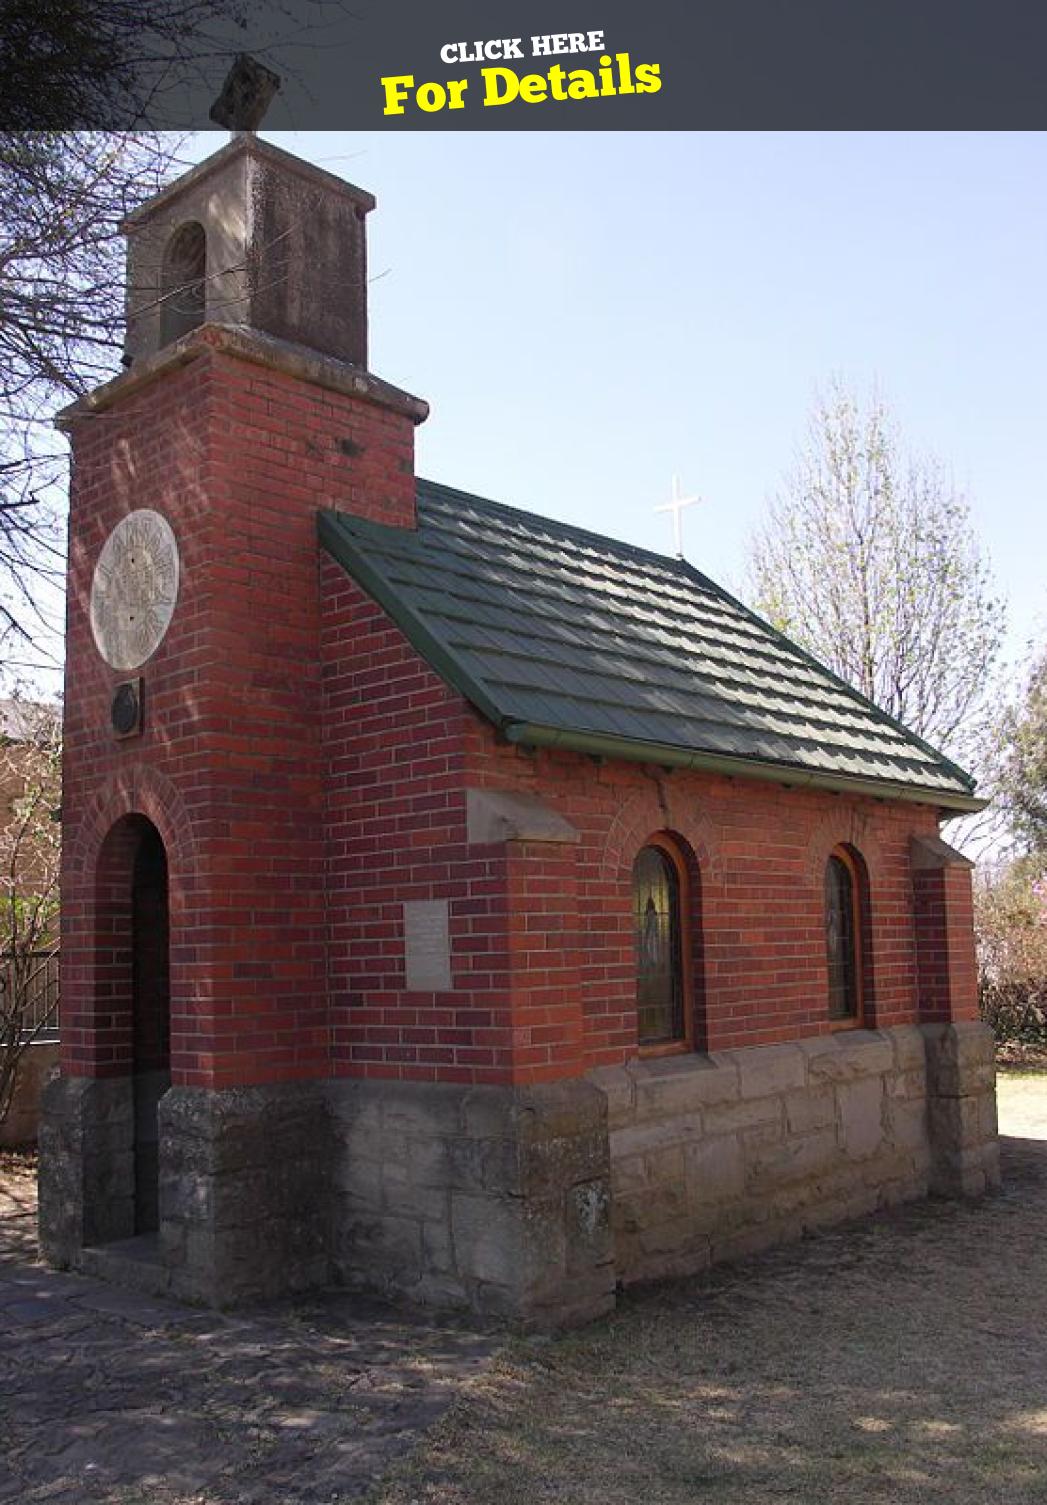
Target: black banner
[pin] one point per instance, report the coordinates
(574, 65)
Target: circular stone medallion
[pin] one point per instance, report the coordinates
(134, 589)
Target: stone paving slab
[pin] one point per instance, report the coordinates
(112, 1398)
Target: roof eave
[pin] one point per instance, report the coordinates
(604, 745)
(337, 540)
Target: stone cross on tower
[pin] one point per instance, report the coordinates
(676, 505)
(246, 95)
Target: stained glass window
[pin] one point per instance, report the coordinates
(842, 940)
(659, 949)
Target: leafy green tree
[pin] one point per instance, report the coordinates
(867, 558)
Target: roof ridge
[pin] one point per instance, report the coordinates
(670, 561)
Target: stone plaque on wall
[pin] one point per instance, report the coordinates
(427, 946)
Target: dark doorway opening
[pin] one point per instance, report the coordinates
(151, 1018)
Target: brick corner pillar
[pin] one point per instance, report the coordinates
(236, 441)
(493, 1192)
(961, 1074)
(554, 1201)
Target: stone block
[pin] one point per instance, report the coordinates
(389, 1244)
(543, 1167)
(796, 1158)
(760, 1135)
(987, 1117)
(420, 1110)
(628, 1173)
(766, 1070)
(666, 1165)
(618, 1085)
(437, 1248)
(715, 1170)
(848, 1054)
(669, 1264)
(358, 1179)
(86, 1165)
(910, 1086)
(654, 1138)
(730, 1118)
(954, 1122)
(506, 1192)
(811, 1108)
(907, 1124)
(861, 1110)
(683, 1085)
(566, 1110)
(651, 1205)
(428, 1203)
(488, 1237)
(745, 1242)
(588, 1227)
(677, 1237)
(909, 1049)
(960, 1058)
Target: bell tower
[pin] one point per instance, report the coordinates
(189, 1114)
(256, 238)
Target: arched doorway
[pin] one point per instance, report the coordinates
(151, 1018)
(133, 995)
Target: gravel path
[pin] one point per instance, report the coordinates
(109, 1396)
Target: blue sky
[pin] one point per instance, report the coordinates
(588, 313)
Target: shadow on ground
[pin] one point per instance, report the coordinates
(898, 1360)
(895, 1361)
(109, 1396)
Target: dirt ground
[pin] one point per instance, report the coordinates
(895, 1361)
(898, 1360)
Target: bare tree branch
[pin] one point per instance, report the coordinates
(867, 558)
(61, 316)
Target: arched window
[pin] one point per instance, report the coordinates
(183, 282)
(663, 973)
(845, 937)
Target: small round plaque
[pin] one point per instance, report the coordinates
(135, 588)
(126, 709)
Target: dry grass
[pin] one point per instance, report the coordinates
(896, 1361)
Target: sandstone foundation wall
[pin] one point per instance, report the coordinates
(522, 1203)
(714, 1157)
(489, 1198)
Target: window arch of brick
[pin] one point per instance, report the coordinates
(666, 923)
(848, 939)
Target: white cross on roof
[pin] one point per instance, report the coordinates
(676, 505)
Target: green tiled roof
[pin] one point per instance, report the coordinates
(562, 637)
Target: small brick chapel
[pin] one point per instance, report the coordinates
(455, 903)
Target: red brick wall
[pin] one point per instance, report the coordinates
(307, 774)
(948, 972)
(542, 932)
(760, 851)
(229, 767)
(395, 756)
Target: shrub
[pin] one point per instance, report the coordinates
(1010, 913)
